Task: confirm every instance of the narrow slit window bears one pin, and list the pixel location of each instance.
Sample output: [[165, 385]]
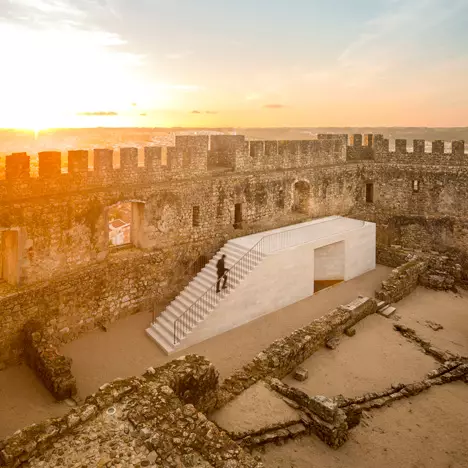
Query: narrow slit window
[[415, 186], [196, 216], [370, 193]]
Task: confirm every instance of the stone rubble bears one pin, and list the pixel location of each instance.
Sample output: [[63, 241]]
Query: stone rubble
[[153, 420], [54, 369]]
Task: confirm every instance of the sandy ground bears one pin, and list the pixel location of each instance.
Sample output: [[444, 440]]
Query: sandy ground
[[376, 357], [445, 308], [24, 400], [254, 409], [125, 350], [427, 431]]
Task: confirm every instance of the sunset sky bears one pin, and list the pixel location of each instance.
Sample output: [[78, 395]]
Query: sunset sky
[[242, 63]]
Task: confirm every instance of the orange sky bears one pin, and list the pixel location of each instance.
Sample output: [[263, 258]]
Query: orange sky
[[83, 63]]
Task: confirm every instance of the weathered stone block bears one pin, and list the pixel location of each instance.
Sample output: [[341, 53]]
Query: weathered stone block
[[301, 374]]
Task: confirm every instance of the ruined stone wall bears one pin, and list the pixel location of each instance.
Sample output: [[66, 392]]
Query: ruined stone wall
[[70, 280], [49, 365], [285, 354], [138, 421]]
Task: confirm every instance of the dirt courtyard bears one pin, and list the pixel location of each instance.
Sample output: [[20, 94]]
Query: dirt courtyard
[[427, 431], [125, 350]]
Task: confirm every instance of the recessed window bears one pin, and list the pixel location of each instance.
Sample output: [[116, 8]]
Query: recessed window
[[9, 261], [252, 150], [370, 193], [415, 186], [281, 196], [125, 223], [120, 224], [238, 216], [196, 216]]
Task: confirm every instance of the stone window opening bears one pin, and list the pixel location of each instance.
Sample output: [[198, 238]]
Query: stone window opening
[[415, 186], [164, 156], [369, 193], [9, 259], [196, 216], [238, 216], [124, 220], [281, 198], [252, 150]]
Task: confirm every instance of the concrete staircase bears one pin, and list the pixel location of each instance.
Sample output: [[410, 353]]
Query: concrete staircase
[[162, 330]]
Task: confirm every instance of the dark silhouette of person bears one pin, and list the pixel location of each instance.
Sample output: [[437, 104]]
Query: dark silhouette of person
[[221, 267]]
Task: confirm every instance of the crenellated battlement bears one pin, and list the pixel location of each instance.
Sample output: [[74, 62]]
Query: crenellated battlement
[[195, 156], [376, 147]]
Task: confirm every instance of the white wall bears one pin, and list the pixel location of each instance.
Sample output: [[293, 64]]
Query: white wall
[[360, 251], [330, 262], [287, 277]]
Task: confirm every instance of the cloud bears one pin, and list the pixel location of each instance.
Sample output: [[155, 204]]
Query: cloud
[[98, 114], [274, 106], [204, 112], [143, 115]]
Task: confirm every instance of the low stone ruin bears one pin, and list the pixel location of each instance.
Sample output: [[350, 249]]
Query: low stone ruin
[[54, 369]]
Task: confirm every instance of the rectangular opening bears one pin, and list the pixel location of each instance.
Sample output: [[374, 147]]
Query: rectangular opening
[[120, 224], [9, 261], [238, 216], [329, 265], [415, 186], [164, 156], [252, 150], [370, 193], [196, 216], [281, 196]]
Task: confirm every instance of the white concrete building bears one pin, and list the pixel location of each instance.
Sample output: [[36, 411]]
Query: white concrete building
[[268, 271]]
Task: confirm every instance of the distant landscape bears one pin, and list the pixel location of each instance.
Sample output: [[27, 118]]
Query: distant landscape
[[12, 141]]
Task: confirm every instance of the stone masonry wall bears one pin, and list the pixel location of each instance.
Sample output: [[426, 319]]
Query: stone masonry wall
[[49, 365], [402, 281], [285, 354], [63, 262], [138, 421], [444, 270]]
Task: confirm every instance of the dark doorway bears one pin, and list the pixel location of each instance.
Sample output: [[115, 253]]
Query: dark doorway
[[238, 216]]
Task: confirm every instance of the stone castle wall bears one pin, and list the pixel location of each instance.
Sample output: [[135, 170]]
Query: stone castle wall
[[69, 279]]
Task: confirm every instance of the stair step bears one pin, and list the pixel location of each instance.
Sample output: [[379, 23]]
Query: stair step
[[160, 340], [387, 311], [162, 330], [381, 305]]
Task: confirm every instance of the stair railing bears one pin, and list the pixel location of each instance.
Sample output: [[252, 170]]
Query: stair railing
[[265, 245]]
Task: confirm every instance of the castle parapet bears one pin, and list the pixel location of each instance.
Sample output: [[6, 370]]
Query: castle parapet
[[78, 162], [17, 166], [129, 159], [355, 140], [401, 146], [153, 159], [438, 147], [103, 161], [192, 150], [419, 146], [458, 148], [50, 163]]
